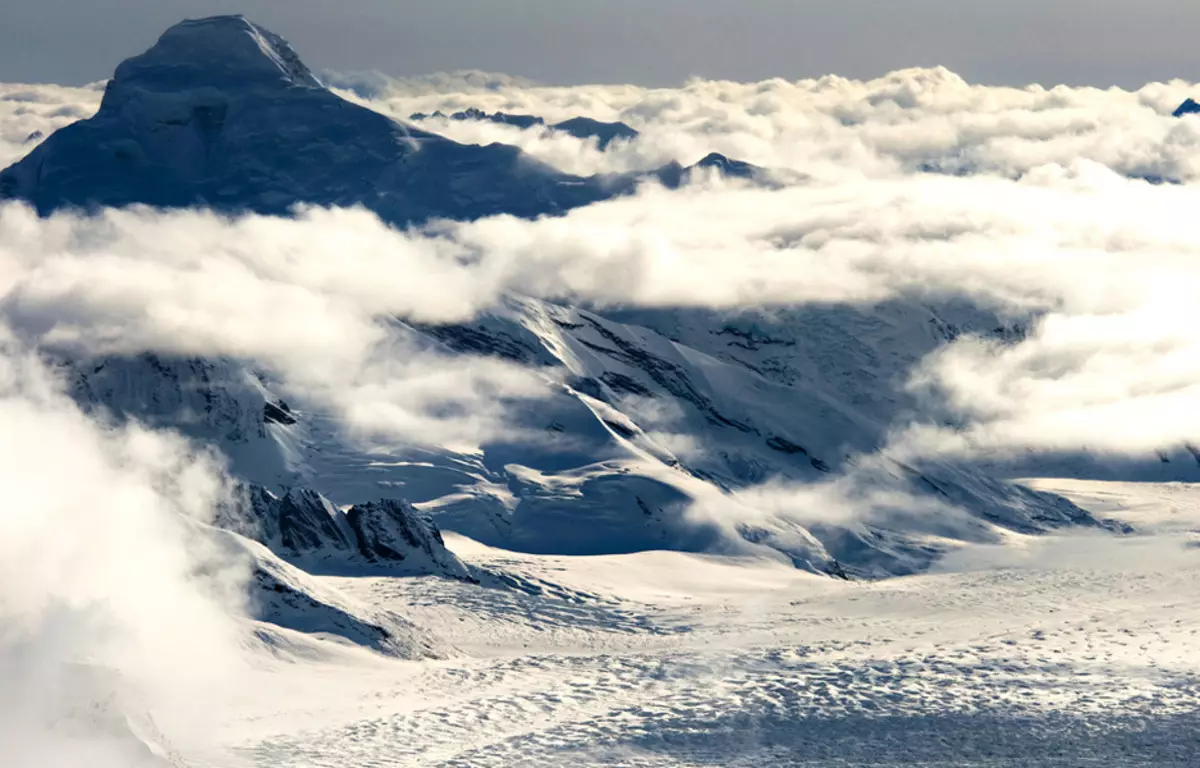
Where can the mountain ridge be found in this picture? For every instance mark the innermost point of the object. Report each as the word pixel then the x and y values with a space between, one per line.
pixel 221 113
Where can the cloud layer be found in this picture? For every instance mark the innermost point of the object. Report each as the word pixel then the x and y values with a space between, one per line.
pixel 111 604
pixel 901 122
pixel 1106 264
pixel 29 113
pixel 907 120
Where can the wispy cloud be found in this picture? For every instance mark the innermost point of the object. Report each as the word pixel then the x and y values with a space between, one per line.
pixel 111 604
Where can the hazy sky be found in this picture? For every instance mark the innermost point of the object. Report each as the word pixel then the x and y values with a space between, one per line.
pixel 652 42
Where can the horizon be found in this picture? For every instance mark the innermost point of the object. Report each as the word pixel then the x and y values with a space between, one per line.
pixel 552 45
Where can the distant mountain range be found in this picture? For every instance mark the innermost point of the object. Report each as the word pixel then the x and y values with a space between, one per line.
pixel 579 127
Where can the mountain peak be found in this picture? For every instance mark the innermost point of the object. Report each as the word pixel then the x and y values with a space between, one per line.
pixel 1189 107
pixel 221 113
pixel 220 52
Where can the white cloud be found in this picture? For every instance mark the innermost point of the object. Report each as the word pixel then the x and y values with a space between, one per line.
pixel 374 83
pixel 1108 263
pixel 826 126
pixel 1087 551
pixel 29 113
pixel 309 299
pixel 108 597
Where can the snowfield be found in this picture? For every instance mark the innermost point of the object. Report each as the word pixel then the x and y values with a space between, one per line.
pixel 1060 651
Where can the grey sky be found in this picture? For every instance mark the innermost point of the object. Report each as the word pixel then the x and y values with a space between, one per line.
pixel 654 42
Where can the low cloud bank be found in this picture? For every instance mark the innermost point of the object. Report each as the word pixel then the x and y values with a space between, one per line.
pixel 29 113
pixel 112 604
pixel 909 120
pixel 1106 267
pixel 312 300
pixel 906 121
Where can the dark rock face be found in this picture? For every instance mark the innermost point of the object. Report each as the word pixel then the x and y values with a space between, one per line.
pixel 303 525
pixel 307 522
pixel 674 175
pixel 604 133
pixel 579 127
pixel 504 118
pixel 278 414
pixel 296 524
pixel 391 530
pixel 728 167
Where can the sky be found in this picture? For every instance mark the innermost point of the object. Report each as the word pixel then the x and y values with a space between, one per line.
pixel 645 42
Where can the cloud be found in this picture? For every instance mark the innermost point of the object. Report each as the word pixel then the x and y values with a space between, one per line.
pixel 1045 227
pixel 1102 268
pixel 376 84
pixel 312 299
pixel 899 123
pixel 1103 264
pixel 1091 551
pixel 111 604
pixel 29 113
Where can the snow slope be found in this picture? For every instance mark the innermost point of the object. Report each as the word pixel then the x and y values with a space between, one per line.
pixel 642 433
pixel 1061 651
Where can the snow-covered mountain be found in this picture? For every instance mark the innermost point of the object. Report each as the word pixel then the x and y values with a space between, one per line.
pixel 672 175
pixel 222 113
pixel 654 415
pixel 652 421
